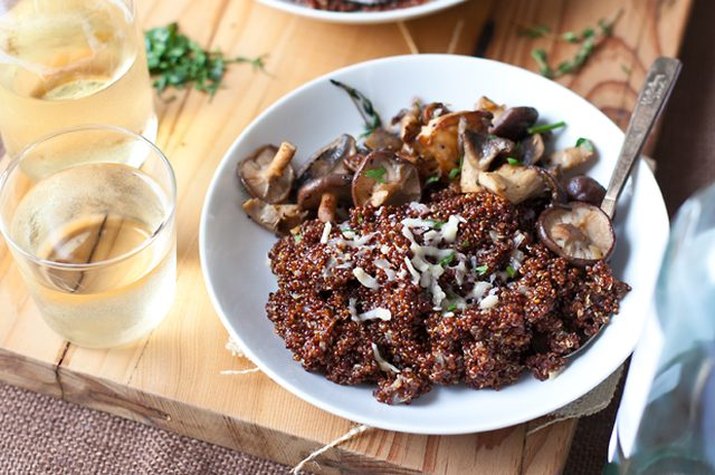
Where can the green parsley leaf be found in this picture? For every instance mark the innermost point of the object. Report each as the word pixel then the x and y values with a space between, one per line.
pixel 445 261
pixel 175 60
pixel 432 179
pixel 510 271
pixel 481 270
pixel 437 224
pixel 364 106
pixel 297 238
pixel 452 307
pixel 513 161
pixel 540 129
pixel 377 174
pixel 586 144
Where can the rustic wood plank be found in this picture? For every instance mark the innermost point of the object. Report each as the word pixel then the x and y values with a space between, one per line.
pixel 171 379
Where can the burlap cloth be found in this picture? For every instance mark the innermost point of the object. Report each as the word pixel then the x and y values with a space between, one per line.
pixel 39 434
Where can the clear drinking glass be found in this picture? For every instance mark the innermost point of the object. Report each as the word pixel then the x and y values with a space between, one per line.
pixel 676 433
pixel 65 63
pixel 95 238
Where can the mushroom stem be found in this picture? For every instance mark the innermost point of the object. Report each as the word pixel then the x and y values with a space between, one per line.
pixel 281 160
pixel 326 210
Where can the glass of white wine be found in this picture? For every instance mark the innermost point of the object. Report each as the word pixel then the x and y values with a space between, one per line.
pixel 65 63
pixel 94 238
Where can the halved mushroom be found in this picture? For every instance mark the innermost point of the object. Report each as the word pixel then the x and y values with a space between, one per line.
pixel 324 194
pixel 580 232
pixel 572 157
pixel 329 159
pixel 514 123
pixel 515 183
pixel 278 218
pixel 586 189
pixel 531 149
pixel 267 174
pixel 438 141
pixel 385 179
pixel 479 150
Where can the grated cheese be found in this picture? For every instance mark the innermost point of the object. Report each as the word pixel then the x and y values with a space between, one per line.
pixel 365 279
pixel 326 233
pixel 384 365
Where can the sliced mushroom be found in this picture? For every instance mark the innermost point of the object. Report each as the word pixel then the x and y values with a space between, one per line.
pixel 532 149
pixel 514 123
pixel 579 232
pixel 570 158
pixel 278 218
pixel 438 141
pixel 385 179
pixel 330 190
pixel 487 105
pixel 586 189
pixel 479 151
pixel 267 174
pixel 433 110
pixel 410 122
pixel 381 139
pixel 558 193
pixel 515 183
pixel 329 159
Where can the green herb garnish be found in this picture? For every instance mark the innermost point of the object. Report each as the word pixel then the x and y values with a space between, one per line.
pixel 453 173
pixel 377 174
pixel 540 129
pixel 447 260
pixel 570 37
pixel 513 161
pixel 452 307
pixel 432 179
pixel 537 31
pixel 360 219
pixel 175 60
pixel 297 238
pixel 437 224
pixel 542 61
pixel 481 270
pixel 586 144
pixel 364 105
pixel 626 69
pixel 510 271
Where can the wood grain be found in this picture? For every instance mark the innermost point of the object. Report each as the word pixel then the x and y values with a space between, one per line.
pixel 172 379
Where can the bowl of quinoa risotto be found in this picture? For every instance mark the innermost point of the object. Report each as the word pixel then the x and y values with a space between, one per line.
pixel 361 12
pixel 436 306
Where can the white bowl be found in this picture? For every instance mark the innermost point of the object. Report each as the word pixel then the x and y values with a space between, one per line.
pixel 233 249
pixel 387 16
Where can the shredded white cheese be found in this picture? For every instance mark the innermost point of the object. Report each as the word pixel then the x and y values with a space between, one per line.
pixel 384 365
pixel 488 302
pixel 365 279
pixel 326 233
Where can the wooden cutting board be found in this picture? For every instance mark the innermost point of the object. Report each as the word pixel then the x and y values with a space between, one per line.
pixel 172 379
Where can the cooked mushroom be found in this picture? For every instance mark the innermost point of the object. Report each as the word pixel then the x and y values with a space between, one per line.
pixel 487 105
pixel 329 159
pixel 514 123
pixel 438 141
pixel 267 174
pixel 479 150
pixel 515 183
pixel 580 232
pixel 324 194
pixel 385 179
pixel 558 193
pixel 278 218
pixel 381 139
pixel 532 149
pixel 586 189
pixel 572 157
pixel 433 110
pixel 410 122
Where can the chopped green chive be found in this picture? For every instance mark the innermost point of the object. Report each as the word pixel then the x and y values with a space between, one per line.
pixel 453 173
pixel 437 224
pixel 513 161
pixel 377 174
pixel 537 31
pixel 586 144
pixel 540 129
pixel 481 270
pixel 542 61
pixel 570 36
pixel 510 271
pixel 452 307
pixel 432 179
pixel 445 261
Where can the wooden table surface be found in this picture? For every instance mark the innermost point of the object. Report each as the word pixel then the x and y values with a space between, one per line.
pixel 172 379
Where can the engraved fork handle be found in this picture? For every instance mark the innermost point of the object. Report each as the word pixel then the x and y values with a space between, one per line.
pixel 659 84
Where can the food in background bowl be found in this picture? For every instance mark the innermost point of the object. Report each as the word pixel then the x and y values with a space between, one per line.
pixel 359 5
pixel 445 248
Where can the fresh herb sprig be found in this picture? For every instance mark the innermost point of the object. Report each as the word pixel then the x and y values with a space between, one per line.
pixel 177 61
pixel 587 39
pixel 364 106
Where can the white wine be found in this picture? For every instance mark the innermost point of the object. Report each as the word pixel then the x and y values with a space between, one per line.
pixel 106 229
pixel 65 63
